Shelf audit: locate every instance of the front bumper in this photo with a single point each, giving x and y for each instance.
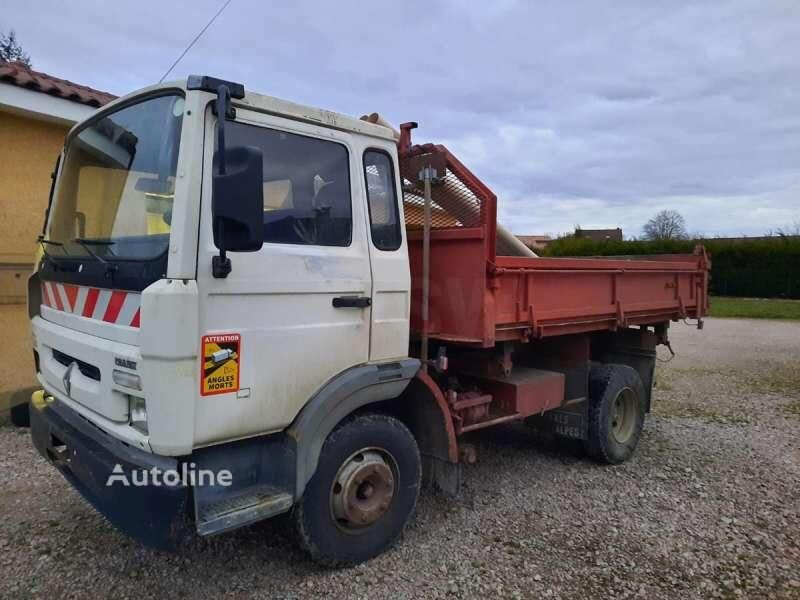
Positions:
(156, 515)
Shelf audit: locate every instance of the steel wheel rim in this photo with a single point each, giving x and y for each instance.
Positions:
(623, 415)
(363, 489)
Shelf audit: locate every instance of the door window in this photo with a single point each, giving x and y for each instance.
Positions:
(384, 213)
(306, 186)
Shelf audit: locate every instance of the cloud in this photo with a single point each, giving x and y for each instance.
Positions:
(593, 113)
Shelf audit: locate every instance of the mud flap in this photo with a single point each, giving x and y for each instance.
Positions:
(441, 476)
(570, 421)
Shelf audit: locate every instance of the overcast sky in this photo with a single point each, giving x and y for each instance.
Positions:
(590, 113)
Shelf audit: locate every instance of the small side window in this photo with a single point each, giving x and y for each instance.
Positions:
(384, 213)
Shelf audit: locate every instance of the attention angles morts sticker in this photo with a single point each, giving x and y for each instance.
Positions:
(221, 359)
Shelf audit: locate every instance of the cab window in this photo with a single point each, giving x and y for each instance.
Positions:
(306, 186)
(384, 213)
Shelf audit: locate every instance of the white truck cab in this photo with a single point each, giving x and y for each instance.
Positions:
(159, 343)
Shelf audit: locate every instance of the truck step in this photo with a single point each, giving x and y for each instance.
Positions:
(248, 506)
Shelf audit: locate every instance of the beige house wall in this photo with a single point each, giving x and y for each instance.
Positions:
(28, 151)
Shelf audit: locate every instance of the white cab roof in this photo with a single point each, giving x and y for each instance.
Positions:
(276, 106)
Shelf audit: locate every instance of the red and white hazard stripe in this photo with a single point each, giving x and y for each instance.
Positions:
(111, 306)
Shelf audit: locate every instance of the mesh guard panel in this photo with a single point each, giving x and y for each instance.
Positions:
(456, 201)
(453, 204)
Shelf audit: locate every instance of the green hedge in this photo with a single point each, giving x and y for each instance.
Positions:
(758, 268)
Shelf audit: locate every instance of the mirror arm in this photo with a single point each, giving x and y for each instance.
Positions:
(221, 264)
(222, 106)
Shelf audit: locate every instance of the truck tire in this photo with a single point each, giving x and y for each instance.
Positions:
(363, 492)
(616, 413)
(20, 415)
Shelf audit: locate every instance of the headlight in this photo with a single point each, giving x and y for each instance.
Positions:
(138, 414)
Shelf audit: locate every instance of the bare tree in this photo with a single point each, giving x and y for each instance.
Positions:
(791, 231)
(666, 225)
(10, 50)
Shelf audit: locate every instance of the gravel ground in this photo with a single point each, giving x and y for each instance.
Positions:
(708, 507)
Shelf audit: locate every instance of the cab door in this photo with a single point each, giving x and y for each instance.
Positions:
(302, 304)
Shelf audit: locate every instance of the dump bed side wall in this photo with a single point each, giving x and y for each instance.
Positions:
(476, 302)
(555, 297)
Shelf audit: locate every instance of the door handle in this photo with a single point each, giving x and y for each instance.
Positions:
(352, 302)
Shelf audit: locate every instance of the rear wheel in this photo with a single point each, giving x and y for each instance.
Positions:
(363, 492)
(616, 413)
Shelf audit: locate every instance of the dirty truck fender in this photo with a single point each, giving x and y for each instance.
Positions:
(342, 395)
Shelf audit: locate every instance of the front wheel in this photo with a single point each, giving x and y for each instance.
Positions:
(616, 413)
(363, 492)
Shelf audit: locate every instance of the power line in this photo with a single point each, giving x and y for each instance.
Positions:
(197, 37)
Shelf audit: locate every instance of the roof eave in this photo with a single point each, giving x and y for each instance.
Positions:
(42, 106)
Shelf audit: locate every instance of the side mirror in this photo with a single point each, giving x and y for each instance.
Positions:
(237, 202)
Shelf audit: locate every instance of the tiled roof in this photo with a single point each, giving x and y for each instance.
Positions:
(18, 74)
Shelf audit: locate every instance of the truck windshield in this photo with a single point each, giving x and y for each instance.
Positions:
(116, 188)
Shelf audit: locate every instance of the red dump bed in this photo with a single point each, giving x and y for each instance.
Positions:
(478, 297)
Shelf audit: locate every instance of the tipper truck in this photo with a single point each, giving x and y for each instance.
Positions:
(284, 310)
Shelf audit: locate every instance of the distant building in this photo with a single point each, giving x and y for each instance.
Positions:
(599, 235)
(36, 112)
(535, 242)
(540, 242)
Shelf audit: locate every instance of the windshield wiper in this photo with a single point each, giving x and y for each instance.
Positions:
(87, 245)
(43, 241)
(94, 242)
